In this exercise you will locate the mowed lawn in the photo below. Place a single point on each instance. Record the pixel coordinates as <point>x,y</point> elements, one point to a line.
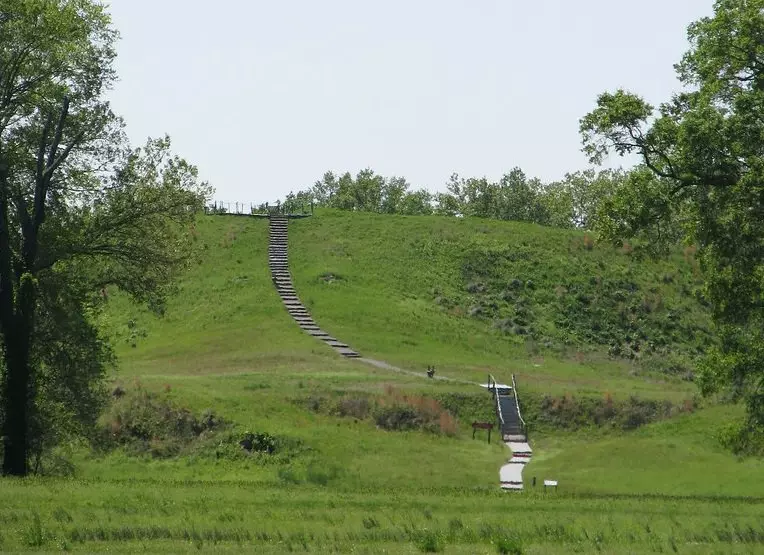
<point>227,344</point>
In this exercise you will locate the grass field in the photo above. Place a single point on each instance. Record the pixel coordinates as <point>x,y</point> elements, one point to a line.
<point>344,485</point>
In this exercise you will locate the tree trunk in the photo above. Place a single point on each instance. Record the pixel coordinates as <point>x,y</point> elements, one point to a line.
<point>17,388</point>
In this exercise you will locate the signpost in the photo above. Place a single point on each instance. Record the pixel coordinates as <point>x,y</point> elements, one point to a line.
<point>482,426</point>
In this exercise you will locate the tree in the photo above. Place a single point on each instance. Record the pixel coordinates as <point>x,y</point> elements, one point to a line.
<point>704,149</point>
<point>586,190</point>
<point>556,205</point>
<point>394,191</point>
<point>416,203</point>
<point>324,189</point>
<point>79,211</point>
<point>518,197</point>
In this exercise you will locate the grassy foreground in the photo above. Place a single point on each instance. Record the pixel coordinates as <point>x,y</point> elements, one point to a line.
<point>229,516</point>
<point>227,344</point>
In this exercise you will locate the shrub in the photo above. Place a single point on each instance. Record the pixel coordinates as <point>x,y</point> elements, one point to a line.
<point>475,311</point>
<point>315,403</point>
<point>399,411</point>
<point>394,410</point>
<point>259,442</point>
<point>743,438</point>
<point>356,407</point>
<point>429,541</point>
<point>569,412</point>
<point>468,407</point>
<point>475,287</point>
<point>397,417</point>
<point>144,422</point>
<point>322,474</point>
<point>508,545</point>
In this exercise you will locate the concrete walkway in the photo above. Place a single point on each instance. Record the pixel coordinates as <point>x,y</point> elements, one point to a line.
<point>511,474</point>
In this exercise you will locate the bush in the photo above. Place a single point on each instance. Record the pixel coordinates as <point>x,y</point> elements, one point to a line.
<point>468,407</point>
<point>394,410</point>
<point>322,474</point>
<point>569,412</point>
<point>508,545</point>
<point>397,418</point>
<point>356,407</point>
<point>743,438</point>
<point>430,542</point>
<point>398,411</point>
<point>259,442</point>
<point>144,422</point>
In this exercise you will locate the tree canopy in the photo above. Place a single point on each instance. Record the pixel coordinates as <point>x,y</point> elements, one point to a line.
<point>704,152</point>
<point>572,202</point>
<point>79,210</point>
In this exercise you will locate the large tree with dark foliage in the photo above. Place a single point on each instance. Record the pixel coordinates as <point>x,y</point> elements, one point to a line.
<point>704,155</point>
<point>79,211</point>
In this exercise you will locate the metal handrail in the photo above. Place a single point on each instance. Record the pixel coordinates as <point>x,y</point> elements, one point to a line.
<point>496,398</point>
<point>517,405</point>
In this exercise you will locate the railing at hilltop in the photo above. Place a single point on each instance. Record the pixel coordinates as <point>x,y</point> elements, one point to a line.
<point>288,208</point>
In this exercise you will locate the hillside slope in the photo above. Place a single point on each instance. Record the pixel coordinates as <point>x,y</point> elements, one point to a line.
<point>227,342</point>
<point>338,480</point>
<point>482,293</point>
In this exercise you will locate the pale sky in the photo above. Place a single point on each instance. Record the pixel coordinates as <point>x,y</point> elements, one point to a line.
<point>264,97</point>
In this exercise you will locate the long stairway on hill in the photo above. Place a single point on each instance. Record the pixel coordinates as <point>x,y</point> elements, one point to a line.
<point>513,433</point>
<point>282,279</point>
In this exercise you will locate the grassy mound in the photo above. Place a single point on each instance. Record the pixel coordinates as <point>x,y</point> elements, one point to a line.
<point>401,290</point>
<point>447,286</point>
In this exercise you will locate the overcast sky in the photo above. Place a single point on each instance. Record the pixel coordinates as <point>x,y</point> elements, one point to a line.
<point>264,97</point>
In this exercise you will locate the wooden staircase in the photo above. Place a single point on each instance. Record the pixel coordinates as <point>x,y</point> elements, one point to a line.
<point>282,279</point>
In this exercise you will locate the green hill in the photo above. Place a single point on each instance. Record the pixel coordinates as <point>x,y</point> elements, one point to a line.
<point>601,344</point>
<point>481,289</point>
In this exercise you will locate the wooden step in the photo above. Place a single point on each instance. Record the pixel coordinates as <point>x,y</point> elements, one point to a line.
<point>336,344</point>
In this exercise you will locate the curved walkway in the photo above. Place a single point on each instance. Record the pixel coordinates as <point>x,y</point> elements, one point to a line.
<point>511,474</point>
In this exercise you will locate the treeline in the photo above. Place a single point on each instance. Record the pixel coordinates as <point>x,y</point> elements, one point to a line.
<point>572,202</point>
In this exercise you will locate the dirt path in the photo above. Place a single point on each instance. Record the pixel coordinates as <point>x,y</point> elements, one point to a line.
<point>386,366</point>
